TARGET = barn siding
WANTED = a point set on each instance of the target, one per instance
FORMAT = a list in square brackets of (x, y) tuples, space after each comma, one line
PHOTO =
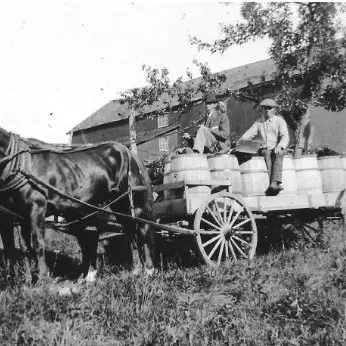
[(118, 131), (328, 129)]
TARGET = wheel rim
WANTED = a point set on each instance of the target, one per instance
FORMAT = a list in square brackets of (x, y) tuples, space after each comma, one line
[(225, 229)]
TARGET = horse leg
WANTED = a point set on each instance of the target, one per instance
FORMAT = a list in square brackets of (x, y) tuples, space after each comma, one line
[(88, 242), (37, 228), (146, 247), (7, 236), (135, 252)]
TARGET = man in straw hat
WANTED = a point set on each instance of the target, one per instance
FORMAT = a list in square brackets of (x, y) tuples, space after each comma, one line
[(273, 132), (211, 136)]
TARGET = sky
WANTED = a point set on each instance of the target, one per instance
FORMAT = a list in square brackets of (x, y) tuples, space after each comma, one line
[(62, 60)]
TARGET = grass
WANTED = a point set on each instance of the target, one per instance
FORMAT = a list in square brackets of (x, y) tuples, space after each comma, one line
[(294, 296)]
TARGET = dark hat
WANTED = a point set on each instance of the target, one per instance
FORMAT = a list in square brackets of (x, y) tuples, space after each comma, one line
[(209, 97)]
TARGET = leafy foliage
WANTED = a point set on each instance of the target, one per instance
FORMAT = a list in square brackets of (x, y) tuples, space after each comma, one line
[(164, 94), (306, 52)]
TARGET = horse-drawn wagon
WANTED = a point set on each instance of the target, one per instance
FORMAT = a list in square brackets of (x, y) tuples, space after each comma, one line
[(212, 199)]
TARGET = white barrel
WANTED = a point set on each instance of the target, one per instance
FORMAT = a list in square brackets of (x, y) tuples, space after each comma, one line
[(226, 167), (192, 167), (289, 177), (254, 176), (308, 174), (332, 173)]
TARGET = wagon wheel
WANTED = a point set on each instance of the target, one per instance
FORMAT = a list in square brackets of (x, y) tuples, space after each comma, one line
[(225, 229), (311, 230)]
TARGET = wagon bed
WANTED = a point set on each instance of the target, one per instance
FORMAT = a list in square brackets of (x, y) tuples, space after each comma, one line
[(224, 224)]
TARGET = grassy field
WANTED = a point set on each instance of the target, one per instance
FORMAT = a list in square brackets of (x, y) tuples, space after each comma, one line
[(291, 296)]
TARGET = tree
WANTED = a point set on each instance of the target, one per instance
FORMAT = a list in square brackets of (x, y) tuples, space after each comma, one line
[(305, 53), (161, 95)]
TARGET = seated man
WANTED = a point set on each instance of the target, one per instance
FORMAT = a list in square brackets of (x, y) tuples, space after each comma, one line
[(211, 136), (273, 132)]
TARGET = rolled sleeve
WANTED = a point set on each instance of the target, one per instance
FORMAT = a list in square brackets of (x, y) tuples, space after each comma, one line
[(251, 132)]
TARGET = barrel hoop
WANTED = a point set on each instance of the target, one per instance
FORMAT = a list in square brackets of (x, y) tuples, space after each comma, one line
[(190, 169), (331, 169), (224, 170), (307, 169), (250, 171)]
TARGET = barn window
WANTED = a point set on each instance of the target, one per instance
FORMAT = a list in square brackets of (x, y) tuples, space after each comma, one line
[(163, 144), (162, 120)]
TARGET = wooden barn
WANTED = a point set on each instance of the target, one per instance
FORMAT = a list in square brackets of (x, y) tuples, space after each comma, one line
[(160, 135)]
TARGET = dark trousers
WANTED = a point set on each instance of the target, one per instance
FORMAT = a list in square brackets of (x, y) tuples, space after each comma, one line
[(274, 164)]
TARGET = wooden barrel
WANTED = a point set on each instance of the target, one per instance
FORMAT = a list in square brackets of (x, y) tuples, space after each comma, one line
[(226, 167), (332, 173), (308, 174), (289, 177), (343, 162), (192, 167), (254, 177)]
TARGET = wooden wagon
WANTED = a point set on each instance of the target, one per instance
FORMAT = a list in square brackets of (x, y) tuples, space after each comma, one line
[(224, 224)]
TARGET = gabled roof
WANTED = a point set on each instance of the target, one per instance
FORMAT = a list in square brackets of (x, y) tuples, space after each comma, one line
[(236, 78)]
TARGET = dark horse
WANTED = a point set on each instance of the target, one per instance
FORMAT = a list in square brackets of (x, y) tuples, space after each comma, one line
[(96, 175)]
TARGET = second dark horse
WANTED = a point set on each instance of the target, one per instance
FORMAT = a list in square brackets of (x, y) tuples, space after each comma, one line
[(96, 175)]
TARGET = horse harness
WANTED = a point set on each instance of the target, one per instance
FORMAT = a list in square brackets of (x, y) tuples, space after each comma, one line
[(15, 174)]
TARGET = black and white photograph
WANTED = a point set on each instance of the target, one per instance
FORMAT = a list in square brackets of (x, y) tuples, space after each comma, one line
[(172, 173)]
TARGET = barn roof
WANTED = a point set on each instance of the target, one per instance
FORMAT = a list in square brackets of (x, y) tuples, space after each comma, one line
[(236, 78)]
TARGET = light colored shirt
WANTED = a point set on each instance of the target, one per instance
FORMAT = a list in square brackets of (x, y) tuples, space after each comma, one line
[(272, 131)]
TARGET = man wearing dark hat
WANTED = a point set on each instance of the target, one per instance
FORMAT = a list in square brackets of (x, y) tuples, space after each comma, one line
[(215, 132), (273, 132)]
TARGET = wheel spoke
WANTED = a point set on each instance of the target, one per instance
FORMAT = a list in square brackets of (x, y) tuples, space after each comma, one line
[(241, 223), (230, 213), (235, 218), (218, 211), (221, 251), (232, 251), (210, 224), (238, 248), (213, 215), (244, 232), (215, 247), (202, 231), (241, 240), (311, 228), (308, 233), (212, 240)]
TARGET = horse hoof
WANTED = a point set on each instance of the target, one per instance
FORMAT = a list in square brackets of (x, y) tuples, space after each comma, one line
[(149, 272), (91, 277), (136, 271)]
